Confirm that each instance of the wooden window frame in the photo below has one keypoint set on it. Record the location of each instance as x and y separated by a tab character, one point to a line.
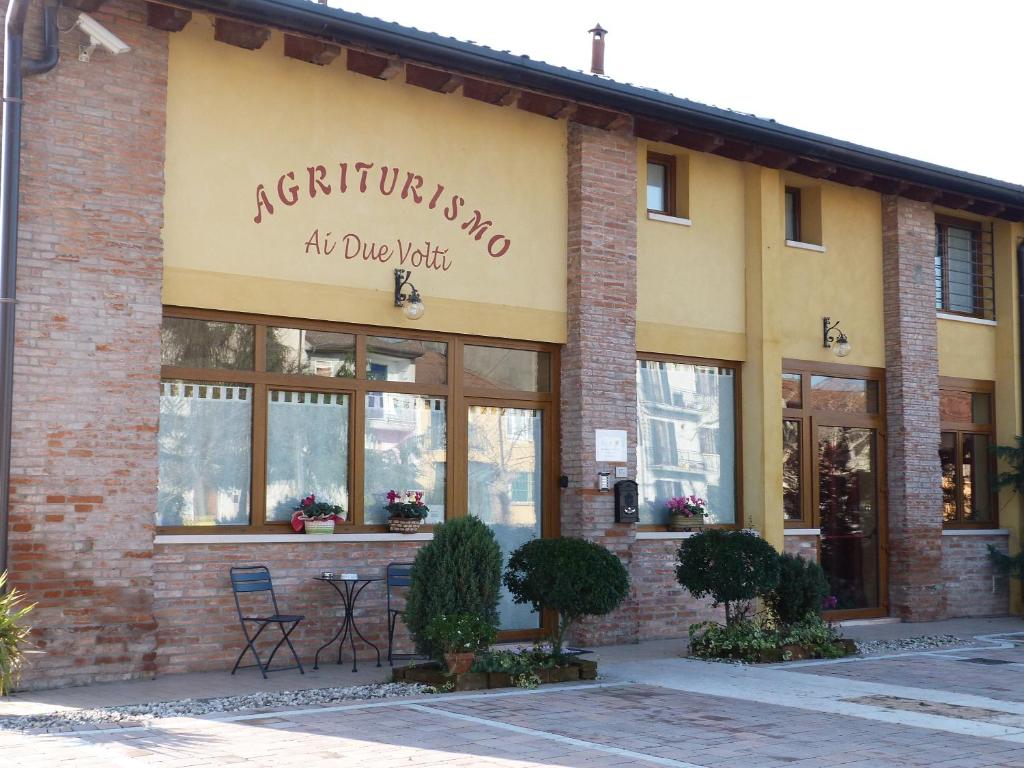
961	429
797	215
458	398
984	267
736	368
668	162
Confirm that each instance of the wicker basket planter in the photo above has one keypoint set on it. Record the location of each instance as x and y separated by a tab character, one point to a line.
678	522
404	524
318	526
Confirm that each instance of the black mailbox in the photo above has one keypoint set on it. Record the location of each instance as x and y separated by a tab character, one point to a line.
626	503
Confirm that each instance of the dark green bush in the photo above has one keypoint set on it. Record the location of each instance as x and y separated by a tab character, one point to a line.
458	572
801	589
730	567
573	577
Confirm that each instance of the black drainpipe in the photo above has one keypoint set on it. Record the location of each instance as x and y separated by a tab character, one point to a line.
1020	319
10	162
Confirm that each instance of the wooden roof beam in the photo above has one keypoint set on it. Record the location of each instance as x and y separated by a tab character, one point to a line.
853	177
701	141
986	207
373	65
600	118
310	50
437	80
921	194
166	17
653	130
240	34
816	169
488	92
953	200
541	104
886	186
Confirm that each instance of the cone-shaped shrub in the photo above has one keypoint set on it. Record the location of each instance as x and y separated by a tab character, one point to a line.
801	589
458	572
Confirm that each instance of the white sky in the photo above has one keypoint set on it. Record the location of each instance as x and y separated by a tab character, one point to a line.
937	81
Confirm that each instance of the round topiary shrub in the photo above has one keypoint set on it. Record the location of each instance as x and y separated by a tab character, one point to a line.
572	577
458	572
801	590
730	567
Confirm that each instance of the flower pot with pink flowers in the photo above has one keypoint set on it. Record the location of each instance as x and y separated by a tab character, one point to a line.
406	511
317	517
686	512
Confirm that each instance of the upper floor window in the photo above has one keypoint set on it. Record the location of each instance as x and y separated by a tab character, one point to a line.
793	214
661	183
967	454
803	216
964	277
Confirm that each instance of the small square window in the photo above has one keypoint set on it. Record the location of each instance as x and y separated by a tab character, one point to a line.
661	184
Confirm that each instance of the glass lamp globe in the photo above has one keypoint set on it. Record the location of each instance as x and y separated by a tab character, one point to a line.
413	307
843	347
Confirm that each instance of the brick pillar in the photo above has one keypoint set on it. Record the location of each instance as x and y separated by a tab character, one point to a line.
916	590
87	357
598	378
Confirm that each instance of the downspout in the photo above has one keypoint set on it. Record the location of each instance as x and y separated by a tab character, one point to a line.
10	164
1020	319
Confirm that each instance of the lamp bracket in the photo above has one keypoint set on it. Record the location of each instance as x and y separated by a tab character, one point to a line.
827	326
401	280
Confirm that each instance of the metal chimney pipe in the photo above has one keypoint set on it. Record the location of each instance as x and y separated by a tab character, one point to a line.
597	50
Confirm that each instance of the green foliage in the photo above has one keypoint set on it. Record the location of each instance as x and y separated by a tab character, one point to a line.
518	661
573	577
458	572
800	591
460	632
747	639
1013	455
1009	565
12	634
730	567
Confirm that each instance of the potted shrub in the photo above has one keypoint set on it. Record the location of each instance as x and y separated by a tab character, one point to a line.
406	511
316	516
572	577
458	572
685	512
460	636
12	635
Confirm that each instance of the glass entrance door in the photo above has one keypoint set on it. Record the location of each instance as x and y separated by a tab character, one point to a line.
847	478
506	487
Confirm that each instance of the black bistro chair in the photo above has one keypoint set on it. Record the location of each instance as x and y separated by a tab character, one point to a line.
256	578
398	575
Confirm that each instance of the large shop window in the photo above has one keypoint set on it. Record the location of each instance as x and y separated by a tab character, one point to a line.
686	437
255	414
967	454
964	268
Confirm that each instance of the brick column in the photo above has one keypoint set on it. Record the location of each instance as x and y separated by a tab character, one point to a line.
598	378
916	588
87	357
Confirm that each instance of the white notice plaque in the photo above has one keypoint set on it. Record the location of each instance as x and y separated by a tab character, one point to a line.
610	444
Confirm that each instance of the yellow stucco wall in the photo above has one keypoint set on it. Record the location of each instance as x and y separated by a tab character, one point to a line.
843	283
967	350
263	115
690	279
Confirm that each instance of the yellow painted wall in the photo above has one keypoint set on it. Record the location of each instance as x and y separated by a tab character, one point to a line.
844	282
967	350
237	119
690	279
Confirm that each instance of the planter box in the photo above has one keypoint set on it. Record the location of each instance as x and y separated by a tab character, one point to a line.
849	646
793	652
431	673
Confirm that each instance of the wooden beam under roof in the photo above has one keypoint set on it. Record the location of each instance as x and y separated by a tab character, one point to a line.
488	92
372	64
816	169
653	130
437	80
599	118
699	140
541	104
986	207
886	186
240	34
920	193
166	17
953	200
307	49
852	177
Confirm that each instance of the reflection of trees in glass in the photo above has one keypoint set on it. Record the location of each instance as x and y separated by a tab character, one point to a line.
204	447
298	351
307	450
791	461
204	344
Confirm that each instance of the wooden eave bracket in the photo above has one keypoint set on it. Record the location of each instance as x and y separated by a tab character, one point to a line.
437	80
548	106
373	65
240	34
816	169
488	92
167	17
307	49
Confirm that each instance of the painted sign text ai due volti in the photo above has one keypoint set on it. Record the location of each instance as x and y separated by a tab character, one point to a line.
364	178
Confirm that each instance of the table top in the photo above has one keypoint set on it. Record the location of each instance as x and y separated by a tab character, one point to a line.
349	577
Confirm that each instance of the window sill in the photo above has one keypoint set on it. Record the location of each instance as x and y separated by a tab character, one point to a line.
805	246
803	532
964	318
655	216
664	535
285	538
975	531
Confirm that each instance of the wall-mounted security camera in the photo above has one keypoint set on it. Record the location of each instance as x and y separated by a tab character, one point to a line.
98	35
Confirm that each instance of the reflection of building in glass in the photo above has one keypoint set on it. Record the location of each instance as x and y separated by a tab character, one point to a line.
685	438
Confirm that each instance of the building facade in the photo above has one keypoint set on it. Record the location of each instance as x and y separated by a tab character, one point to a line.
820	339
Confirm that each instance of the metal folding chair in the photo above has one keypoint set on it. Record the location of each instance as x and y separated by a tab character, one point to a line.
397	575
256	578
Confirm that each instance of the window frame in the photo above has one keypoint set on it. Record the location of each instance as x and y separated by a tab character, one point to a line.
458	397
984	268
668	162
736	368
962	429
797	215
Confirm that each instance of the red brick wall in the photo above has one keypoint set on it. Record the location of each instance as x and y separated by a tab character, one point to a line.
87	361
916	590
664	609
804	546
598	377
195	610
972	586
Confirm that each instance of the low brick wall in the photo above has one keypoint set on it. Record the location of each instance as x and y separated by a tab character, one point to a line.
968	575
665	608
197	623
802	545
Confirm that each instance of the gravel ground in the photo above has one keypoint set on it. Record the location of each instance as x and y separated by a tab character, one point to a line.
140	714
906	644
